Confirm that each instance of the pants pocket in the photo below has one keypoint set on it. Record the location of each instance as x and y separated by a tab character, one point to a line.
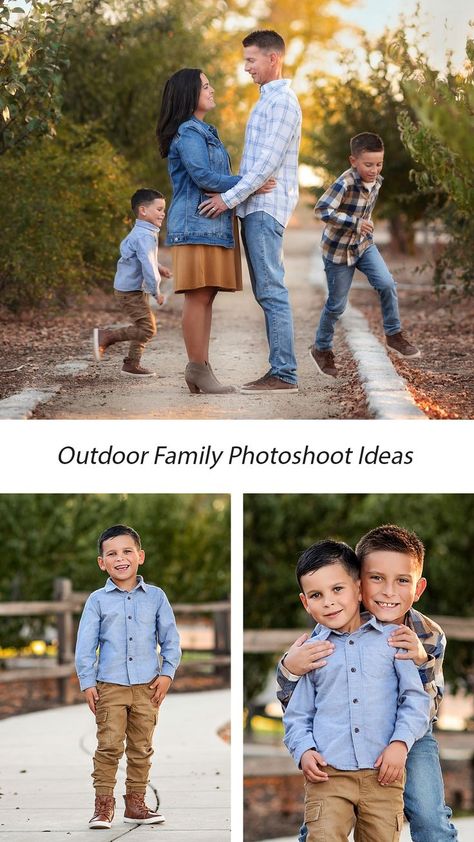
313	816
399	826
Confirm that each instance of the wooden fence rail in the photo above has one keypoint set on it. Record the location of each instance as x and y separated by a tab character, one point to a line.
67	604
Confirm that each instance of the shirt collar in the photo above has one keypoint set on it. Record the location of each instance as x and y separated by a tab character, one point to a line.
111	586
207	126
358	180
274	85
367	620
141	223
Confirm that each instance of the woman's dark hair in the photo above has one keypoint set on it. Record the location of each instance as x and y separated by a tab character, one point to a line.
179	102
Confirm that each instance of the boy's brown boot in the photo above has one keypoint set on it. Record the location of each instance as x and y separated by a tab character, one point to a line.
132	368
399	343
103	812
136	811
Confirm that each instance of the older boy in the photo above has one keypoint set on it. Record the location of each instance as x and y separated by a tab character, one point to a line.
125	685
138	276
347	244
391	561
350	726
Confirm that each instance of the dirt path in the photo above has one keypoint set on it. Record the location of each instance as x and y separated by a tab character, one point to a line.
238	353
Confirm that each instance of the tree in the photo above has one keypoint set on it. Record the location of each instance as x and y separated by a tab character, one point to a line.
436	128
352	103
32	61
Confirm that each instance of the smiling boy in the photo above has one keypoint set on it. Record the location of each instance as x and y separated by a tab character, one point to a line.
350	725
125	685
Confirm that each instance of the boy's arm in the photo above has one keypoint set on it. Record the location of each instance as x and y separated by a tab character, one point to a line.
327	207
195	157
147	254
302	657
168	638
298	719
428	657
282	122
413	712
286	682
86	645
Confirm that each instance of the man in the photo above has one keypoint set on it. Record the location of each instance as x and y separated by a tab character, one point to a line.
271	146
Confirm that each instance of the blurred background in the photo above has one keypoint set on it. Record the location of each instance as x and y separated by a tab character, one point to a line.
48	567
277	529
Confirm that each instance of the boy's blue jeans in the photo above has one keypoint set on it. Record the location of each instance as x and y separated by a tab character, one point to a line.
428	815
262	236
339	278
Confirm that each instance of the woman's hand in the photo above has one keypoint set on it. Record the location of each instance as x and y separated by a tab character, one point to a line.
269	185
303	657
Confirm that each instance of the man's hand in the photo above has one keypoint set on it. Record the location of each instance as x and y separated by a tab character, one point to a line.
267	187
301	659
92	697
366	226
161	685
311	761
164	271
408	639
392	763
160	298
213	206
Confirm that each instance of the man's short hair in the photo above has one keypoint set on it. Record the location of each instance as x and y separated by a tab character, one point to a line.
324	553
114	532
366	142
265	39
144	196
392	539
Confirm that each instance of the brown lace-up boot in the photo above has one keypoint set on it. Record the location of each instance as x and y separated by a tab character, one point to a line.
103	812
136	811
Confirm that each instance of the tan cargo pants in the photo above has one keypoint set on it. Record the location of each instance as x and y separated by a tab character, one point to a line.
123	713
333	807
135	307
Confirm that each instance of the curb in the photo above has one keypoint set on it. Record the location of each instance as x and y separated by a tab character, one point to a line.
22	405
386	392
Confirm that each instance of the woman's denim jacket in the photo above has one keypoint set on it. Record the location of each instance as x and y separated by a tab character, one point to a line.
198	163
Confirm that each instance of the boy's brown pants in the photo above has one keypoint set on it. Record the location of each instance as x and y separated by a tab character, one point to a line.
123	712
136	307
333	807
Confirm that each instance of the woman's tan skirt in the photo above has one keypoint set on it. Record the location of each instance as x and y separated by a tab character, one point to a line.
197	266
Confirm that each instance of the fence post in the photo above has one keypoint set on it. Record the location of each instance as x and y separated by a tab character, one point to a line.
222	641
65	624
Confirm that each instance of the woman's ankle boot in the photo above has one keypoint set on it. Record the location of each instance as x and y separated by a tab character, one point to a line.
200	378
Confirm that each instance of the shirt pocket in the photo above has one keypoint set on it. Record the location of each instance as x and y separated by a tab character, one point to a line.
378	663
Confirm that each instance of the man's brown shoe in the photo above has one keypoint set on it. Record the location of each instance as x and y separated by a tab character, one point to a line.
103	812
131	368
101	339
136	811
324	361
397	342
269	383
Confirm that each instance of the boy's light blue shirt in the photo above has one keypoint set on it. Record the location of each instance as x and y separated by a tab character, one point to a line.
137	268
127	626
362	700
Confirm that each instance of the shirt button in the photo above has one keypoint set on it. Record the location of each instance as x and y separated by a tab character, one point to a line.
356	730
355	701
129	616
130	659
130	638
351	642
353	669
129	597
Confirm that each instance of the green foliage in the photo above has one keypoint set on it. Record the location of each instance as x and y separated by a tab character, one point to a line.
65	216
31	65
186	538
119	63
437	131
279	527
346	106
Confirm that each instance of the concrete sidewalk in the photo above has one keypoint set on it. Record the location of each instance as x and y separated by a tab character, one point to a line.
46	766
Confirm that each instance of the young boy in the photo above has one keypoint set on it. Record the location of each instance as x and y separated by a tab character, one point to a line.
391	561
125	685
347	244
138	276
350	725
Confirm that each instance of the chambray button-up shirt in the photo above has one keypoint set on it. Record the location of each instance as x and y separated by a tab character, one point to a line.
127	626
272	140
362	700
137	268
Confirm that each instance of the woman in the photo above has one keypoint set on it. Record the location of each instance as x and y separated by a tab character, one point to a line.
206	254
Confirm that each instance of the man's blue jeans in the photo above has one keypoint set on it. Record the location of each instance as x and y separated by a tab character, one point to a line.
339	279
428	815
262	237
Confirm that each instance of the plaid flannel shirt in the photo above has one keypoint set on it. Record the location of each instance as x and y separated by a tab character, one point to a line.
342	207
431	673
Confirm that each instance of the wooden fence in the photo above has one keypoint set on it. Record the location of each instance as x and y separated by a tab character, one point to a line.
67	604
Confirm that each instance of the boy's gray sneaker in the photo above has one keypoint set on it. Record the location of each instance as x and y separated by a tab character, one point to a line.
324	362
398	343
136	811
131	368
103	812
